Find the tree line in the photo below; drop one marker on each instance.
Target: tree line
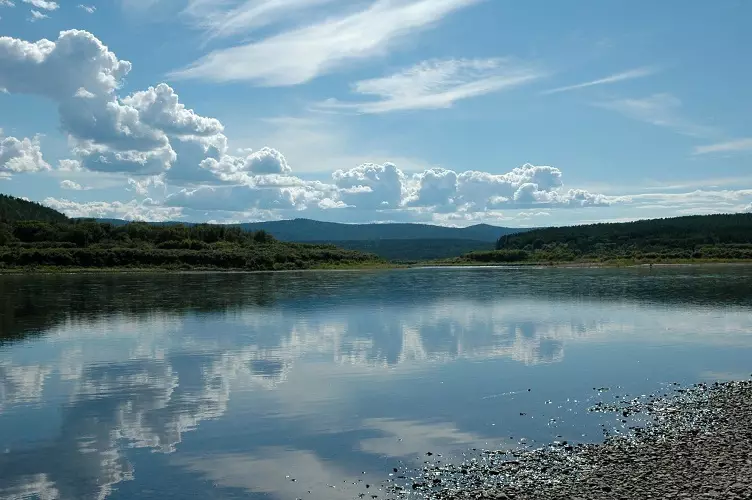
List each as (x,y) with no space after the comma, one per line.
(15,209)
(711,237)
(57,241)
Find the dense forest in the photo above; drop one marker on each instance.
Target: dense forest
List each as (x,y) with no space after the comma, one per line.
(313,231)
(16,209)
(56,241)
(706,237)
(407,251)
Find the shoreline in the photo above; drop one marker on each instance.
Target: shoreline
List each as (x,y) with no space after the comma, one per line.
(696,443)
(377,265)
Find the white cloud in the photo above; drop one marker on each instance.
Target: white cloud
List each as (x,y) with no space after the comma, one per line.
(438,84)
(59,69)
(134,210)
(438,187)
(239,168)
(371,186)
(70,185)
(160,108)
(726,147)
(35,16)
(222,20)
(110,134)
(69,165)
(241,198)
(475,191)
(302,54)
(383,192)
(748,208)
(661,110)
(7,3)
(42,4)
(615,78)
(132,162)
(21,155)
(143,186)
(89,9)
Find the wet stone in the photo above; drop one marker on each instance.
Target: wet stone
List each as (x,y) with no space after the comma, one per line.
(694,443)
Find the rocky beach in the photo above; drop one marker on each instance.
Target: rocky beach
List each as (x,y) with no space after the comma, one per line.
(693,443)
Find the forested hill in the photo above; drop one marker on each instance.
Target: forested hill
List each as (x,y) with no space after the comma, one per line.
(307,230)
(15,209)
(311,230)
(32,235)
(694,237)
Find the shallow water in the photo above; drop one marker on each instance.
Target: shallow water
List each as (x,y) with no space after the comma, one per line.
(274,385)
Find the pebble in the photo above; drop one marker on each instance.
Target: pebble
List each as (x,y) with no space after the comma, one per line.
(696,443)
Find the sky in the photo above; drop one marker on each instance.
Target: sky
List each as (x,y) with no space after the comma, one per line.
(451,112)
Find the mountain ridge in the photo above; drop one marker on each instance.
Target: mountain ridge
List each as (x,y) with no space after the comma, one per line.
(309,230)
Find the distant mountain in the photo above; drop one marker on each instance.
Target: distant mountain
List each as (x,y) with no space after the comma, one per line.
(14,209)
(393,241)
(307,230)
(310,230)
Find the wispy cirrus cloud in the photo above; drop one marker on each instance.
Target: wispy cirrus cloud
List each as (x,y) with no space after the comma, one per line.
(725,147)
(662,110)
(615,78)
(438,84)
(302,54)
(222,19)
(35,16)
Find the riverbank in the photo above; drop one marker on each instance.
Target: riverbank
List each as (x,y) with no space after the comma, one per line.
(365,266)
(584,263)
(696,444)
(343,266)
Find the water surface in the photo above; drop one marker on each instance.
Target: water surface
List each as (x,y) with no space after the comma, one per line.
(314,384)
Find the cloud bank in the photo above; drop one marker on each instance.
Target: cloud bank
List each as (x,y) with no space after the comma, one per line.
(154,140)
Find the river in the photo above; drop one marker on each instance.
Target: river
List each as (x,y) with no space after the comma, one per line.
(315,384)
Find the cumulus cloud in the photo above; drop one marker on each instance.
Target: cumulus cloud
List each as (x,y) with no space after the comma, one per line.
(476,191)
(438,187)
(132,134)
(42,4)
(69,165)
(154,139)
(239,168)
(146,210)
(70,185)
(143,186)
(20,155)
(160,108)
(371,186)
(370,189)
(748,208)
(231,198)
(7,3)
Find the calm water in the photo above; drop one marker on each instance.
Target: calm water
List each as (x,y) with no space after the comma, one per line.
(274,385)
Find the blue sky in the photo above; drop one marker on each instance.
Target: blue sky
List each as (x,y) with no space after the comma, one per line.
(443,111)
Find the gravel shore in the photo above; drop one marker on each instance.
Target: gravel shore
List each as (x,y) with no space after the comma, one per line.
(697,444)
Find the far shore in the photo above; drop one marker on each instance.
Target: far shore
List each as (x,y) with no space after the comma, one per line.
(379,265)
